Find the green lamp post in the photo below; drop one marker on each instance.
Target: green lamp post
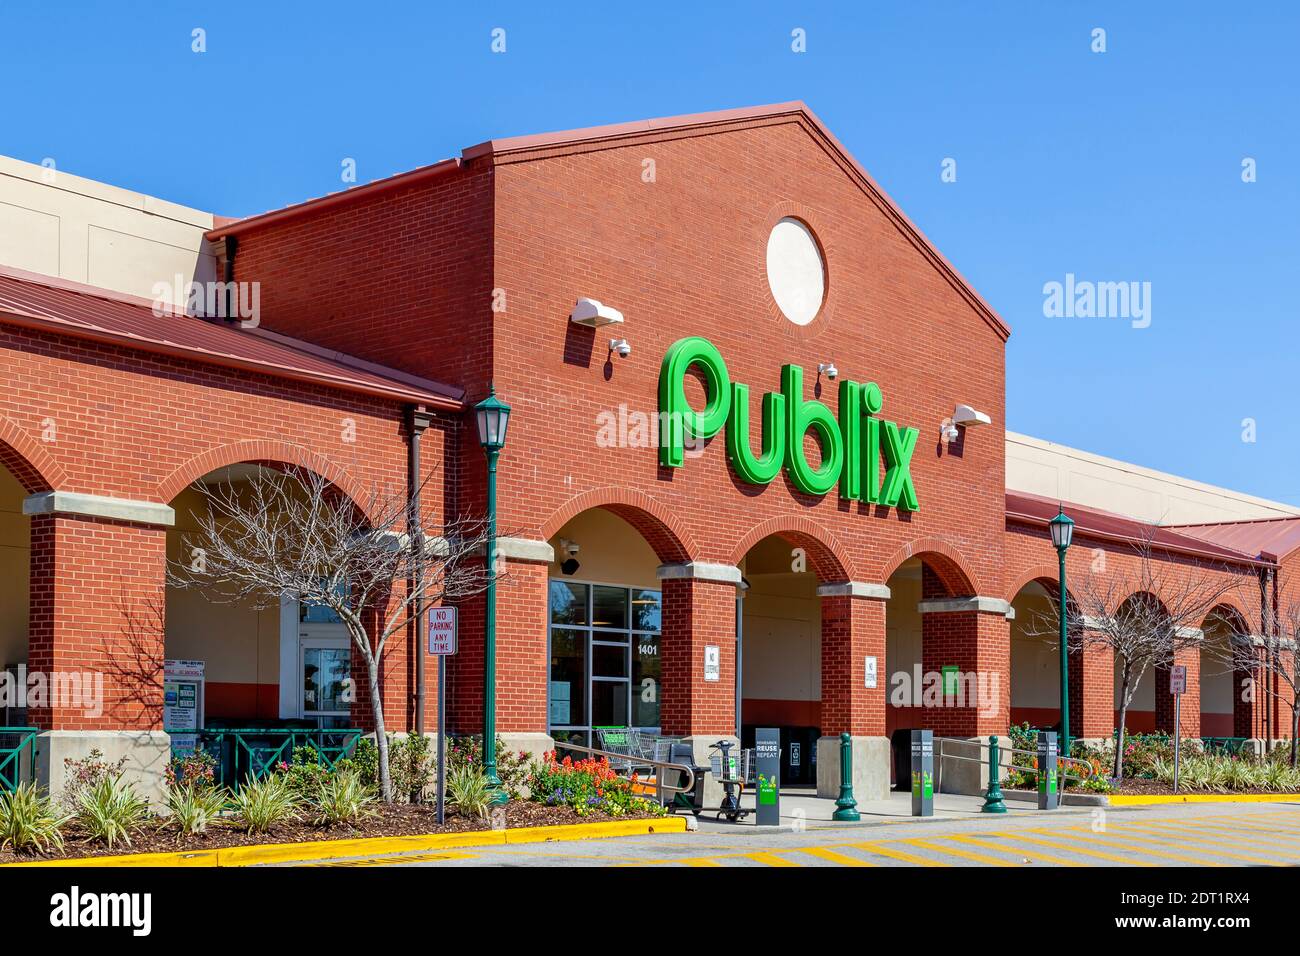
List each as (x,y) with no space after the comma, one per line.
(493,415)
(1062,528)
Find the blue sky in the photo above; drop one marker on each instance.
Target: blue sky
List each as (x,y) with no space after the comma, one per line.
(1115,166)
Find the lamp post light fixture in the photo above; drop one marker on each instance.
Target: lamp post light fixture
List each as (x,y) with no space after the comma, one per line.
(1062,528)
(492,416)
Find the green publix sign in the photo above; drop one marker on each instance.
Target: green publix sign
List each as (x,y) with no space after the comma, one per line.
(852,446)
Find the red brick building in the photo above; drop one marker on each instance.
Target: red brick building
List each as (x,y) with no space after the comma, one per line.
(805,575)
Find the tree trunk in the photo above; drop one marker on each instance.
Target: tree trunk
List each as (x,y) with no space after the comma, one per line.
(1119,731)
(381,736)
(1295,729)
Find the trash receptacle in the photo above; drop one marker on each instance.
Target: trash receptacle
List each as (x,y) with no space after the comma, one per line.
(693,800)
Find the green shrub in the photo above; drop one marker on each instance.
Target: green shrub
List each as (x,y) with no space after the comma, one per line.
(304,774)
(109,810)
(85,773)
(197,769)
(192,808)
(29,821)
(343,798)
(512,765)
(411,762)
(261,805)
(467,791)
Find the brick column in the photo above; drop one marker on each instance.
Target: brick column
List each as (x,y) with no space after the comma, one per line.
(97,634)
(1190,710)
(522,668)
(97,616)
(699,611)
(1092,692)
(973,635)
(853,629)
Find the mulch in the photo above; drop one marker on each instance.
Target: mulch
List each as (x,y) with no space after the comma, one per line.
(1145,787)
(389,821)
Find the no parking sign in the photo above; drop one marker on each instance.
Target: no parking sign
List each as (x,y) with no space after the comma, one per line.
(442,631)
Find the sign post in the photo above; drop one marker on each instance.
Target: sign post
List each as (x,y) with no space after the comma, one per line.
(442,644)
(1177,687)
(767,755)
(922,773)
(1049,796)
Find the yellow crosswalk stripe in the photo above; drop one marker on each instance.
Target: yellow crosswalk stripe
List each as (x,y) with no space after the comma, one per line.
(700,861)
(1211,844)
(1015,850)
(896,854)
(769,859)
(1127,844)
(1208,846)
(831,856)
(1229,834)
(1097,854)
(959,853)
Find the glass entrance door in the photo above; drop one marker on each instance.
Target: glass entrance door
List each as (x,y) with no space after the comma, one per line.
(327,689)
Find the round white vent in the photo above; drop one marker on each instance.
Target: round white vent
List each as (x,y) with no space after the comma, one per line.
(795,271)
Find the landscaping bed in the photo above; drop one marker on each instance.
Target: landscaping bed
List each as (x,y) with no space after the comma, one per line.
(396,820)
(307,800)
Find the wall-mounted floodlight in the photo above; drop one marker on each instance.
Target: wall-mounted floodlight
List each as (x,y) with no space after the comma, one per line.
(593,314)
(967,417)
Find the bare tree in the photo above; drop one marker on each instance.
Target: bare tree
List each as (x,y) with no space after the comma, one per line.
(1146,613)
(1273,651)
(374,564)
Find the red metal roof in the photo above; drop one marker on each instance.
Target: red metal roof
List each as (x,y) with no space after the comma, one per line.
(1267,538)
(69,308)
(1035,509)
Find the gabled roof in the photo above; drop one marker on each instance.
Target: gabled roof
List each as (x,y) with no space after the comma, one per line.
(518,149)
(1266,538)
(39,302)
(1094,523)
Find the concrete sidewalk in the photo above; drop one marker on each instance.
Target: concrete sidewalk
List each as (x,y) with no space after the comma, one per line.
(801,807)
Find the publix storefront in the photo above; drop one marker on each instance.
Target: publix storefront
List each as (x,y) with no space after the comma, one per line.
(756,472)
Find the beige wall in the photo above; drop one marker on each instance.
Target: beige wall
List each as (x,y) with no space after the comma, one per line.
(72,228)
(240,644)
(15,544)
(1057,471)
(903,622)
(610,551)
(1216,669)
(782,626)
(1035,656)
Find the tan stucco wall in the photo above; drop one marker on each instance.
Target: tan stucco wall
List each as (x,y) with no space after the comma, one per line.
(1058,471)
(64,226)
(240,644)
(903,622)
(15,543)
(782,626)
(1035,656)
(610,551)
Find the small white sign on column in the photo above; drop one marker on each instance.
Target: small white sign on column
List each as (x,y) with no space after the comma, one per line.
(712,662)
(871,672)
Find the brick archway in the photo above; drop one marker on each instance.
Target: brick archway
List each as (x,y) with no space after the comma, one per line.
(828,558)
(945,561)
(31,464)
(259,452)
(653,520)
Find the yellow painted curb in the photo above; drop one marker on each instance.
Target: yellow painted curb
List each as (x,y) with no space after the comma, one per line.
(1141,800)
(374,846)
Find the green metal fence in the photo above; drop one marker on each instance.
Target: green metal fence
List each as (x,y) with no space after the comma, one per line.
(243,752)
(1228,745)
(14,742)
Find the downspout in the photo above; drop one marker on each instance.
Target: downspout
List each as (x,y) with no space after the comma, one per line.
(417,420)
(228,277)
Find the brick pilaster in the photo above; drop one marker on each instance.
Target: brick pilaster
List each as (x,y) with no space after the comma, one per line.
(853,628)
(697,613)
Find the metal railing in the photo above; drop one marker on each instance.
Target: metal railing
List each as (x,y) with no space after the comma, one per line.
(983,746)
(14,741)
(686,786)
(1228,745)
(243,752)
